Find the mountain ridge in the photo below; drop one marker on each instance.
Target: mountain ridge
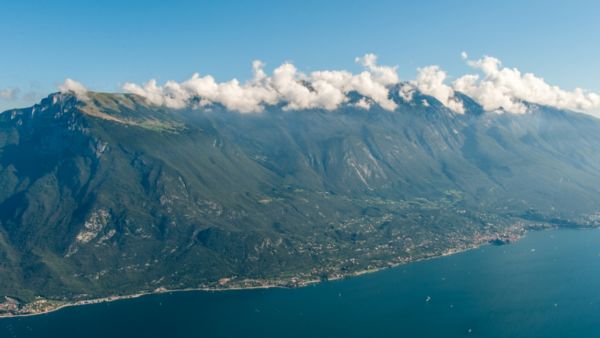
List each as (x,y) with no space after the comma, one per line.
(111,196)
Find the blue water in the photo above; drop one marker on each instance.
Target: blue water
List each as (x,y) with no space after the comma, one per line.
(547,285)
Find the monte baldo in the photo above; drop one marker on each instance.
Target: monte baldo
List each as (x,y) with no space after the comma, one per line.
(108,196)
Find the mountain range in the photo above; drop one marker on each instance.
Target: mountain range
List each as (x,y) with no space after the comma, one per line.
(109,195)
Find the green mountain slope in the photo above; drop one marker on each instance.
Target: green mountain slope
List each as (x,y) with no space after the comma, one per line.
(110,195)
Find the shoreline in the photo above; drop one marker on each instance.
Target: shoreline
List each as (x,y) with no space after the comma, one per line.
(306,283)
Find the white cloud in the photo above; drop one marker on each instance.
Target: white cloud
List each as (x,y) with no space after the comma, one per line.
(73,87)
(296,90)
(507,88)
(431,81)
(406,92)
(382,74)
(363,103)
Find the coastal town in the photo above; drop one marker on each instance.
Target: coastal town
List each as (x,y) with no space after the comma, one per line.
(11,307)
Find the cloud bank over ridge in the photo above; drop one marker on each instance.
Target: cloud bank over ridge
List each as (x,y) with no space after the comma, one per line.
(495,87)
(507,88)
(297,90)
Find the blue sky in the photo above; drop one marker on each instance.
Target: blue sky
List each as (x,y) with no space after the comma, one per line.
(106,43)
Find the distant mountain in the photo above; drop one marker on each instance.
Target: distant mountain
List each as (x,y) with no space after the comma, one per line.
(110,195)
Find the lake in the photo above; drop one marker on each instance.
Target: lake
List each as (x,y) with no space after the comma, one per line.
(546,285)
